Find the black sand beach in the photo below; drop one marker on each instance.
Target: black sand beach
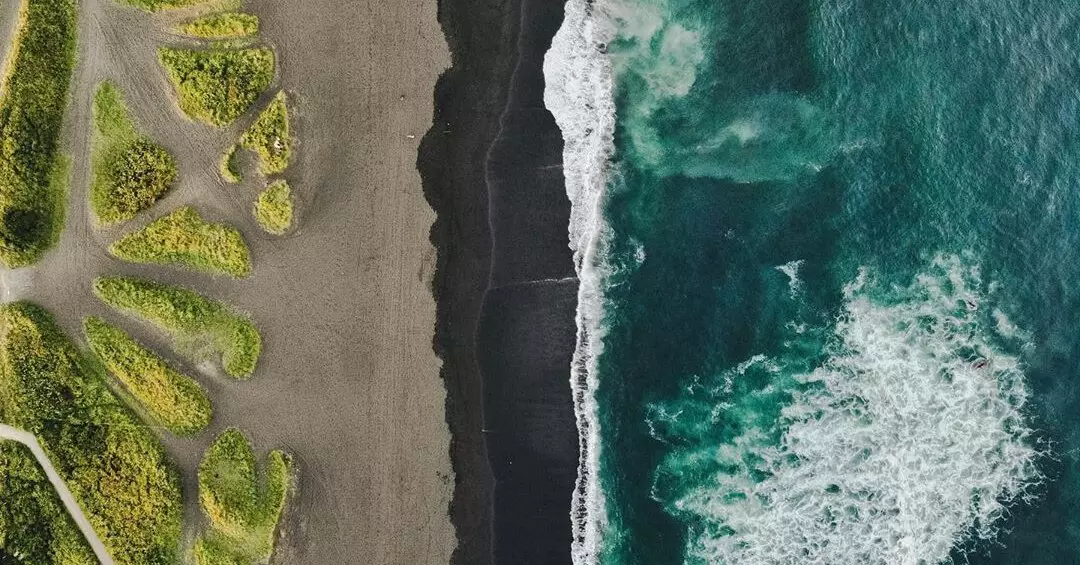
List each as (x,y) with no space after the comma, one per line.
(506,296)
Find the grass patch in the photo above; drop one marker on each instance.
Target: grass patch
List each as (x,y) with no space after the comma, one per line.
(130,172)
(218,85)
(189,317)
(34,525)
(183,238)
(230,169)
(269,137)
(222,25)
(274,208)
(158,5)
(35,92)
(243,507)
(113,465)
(173,399)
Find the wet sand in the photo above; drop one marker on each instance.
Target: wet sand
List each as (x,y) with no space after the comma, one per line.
(348,381)
(492,168)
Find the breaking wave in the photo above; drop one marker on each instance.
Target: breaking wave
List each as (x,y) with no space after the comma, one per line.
(579,93)
(906,440)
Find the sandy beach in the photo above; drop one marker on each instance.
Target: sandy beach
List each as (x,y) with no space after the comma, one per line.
(505,286)
(348,382)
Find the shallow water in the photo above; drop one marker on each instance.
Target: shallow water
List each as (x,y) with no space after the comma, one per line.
(834,281)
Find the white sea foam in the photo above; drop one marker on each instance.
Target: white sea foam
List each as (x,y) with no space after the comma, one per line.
(909,441)
(579,94)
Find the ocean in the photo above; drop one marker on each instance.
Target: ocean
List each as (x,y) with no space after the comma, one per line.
(829,255)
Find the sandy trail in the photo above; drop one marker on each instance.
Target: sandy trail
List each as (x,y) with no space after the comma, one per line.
(28,439)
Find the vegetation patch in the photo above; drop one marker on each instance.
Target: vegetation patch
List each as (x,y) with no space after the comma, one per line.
(157,5)
(34,525)
(184,238)
(222,25)
(130,172)
(269,137)
(274,208)
(113,465)
(32,176)
(243,506)
(218,85)
(191,318)
(230,169)
(173,399)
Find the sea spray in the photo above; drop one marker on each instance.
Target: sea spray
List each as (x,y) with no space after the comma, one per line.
(908,441)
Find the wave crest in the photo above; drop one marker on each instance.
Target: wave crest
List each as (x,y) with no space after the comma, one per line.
(906,441)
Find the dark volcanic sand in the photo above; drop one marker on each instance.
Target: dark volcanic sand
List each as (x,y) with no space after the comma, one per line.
(492,169)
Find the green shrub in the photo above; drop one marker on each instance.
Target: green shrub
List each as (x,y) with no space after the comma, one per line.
(221,26)
(274,208)
(230,169)
(218,85)
(269,137)
(35,92)
(130,172)
(189,317)
(184,238)
(243,513)
(172,399)
(156,5)
(214,550)
(33,521)
(113,465)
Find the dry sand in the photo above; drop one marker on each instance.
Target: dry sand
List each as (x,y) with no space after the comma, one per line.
(348,382)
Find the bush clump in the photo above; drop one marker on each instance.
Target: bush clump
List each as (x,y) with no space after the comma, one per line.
(274,208)
(189,317)
(222,25)
(130,172)
(229,168)
(35,92)
(269,137)
(34,525)
(157,5)
(243,511)
(113,465)
(218,85)
(184,238)
(172,399)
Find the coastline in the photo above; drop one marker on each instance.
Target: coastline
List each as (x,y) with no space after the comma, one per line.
(504,285)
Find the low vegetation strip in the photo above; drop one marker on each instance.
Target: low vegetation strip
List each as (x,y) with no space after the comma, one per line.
(269,137)
(229,168)
(34,525)
(192,319)
(243,513)
(222,25)
(35,93)
(183,238)
(274,208)
(113,465)
(157,5)
(218,85)
(171,398)
(129,171)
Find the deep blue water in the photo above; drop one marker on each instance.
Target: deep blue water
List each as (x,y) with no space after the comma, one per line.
(843,297)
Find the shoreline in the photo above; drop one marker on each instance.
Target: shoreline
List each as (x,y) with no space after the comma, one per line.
(504,285)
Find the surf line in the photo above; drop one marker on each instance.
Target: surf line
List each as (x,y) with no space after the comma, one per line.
(31,442)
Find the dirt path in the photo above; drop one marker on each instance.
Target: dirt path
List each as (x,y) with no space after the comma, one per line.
(28,439)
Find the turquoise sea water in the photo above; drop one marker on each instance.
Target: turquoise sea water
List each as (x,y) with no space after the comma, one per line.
(841,289)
